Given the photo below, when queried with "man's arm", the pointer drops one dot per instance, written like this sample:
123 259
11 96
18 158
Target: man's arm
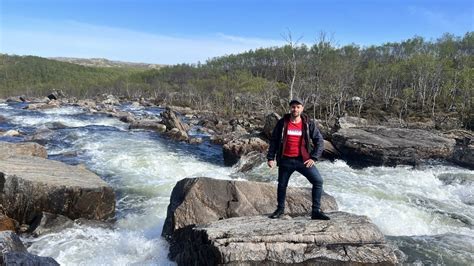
275 140
318 141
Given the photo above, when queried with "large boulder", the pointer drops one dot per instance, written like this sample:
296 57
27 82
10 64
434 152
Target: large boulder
203 200
345 239
25 148
236 148
31 185
390 146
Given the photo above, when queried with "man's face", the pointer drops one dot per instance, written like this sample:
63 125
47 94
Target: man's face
296 109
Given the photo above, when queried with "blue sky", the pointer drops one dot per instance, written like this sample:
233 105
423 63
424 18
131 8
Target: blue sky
170 32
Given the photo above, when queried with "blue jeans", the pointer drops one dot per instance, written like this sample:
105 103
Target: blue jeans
287 166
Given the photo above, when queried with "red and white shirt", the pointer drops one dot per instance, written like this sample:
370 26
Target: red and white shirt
294 134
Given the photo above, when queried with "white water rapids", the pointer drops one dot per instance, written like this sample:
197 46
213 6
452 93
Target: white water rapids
428 211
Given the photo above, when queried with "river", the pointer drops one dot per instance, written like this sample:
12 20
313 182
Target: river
427 211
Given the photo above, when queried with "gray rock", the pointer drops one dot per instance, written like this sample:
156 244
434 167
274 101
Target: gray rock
27 259
24 149
464 153
13 252
13 100
50 223
240 146
195 140
148 124
345 239
110 100
249 162
31 185
40 106
172 121
390 146
178 135
41 136
10 242
350 122
330 152
203 200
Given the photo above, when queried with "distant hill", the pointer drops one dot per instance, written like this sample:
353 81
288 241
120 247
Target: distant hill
36 76
102 62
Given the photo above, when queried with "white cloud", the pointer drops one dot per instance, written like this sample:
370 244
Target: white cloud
75 39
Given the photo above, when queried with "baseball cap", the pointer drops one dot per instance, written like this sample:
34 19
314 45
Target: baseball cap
296 100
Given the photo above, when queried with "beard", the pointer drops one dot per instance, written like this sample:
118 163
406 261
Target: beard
295 113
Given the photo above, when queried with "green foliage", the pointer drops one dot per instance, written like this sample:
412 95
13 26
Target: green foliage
415 76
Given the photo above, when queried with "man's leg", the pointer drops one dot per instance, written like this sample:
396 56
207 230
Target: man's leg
314 177
284 173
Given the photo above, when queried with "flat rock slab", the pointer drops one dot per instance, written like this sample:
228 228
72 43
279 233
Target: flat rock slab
25 148
390 146
346 238
31 185
203 200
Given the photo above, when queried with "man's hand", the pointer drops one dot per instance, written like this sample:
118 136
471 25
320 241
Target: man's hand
309 163
271 163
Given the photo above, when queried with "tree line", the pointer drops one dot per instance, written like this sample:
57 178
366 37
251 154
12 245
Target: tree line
412 79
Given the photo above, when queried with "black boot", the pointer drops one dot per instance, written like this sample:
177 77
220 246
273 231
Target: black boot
277 214
319 216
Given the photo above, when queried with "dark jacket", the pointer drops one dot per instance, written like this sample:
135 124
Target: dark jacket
310 132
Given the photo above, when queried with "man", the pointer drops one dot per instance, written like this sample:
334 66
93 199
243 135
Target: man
290 143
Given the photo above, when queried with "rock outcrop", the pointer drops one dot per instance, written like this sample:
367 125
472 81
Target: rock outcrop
238 147
464 153
270 123
170 120
31 185
345 239
25 149
390 146
176 128
203 200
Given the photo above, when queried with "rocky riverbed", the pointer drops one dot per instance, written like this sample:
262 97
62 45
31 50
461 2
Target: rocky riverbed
94 133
